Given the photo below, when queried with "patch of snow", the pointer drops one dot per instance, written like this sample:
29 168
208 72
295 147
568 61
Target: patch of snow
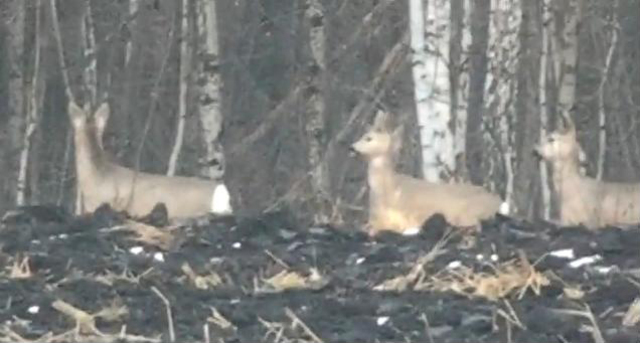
604 270
158 257
454 265
563 253
584 261
136 250
382 320
412 231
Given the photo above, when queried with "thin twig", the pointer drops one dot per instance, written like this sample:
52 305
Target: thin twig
277 259
296 321
167 304
588 314
63 65
427 327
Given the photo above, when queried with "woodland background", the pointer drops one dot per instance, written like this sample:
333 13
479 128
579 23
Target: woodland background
270 93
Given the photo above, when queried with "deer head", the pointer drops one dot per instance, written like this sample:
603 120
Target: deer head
378 141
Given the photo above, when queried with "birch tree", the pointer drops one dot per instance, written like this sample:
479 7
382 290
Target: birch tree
565 51
210 81
604 77
459 84
543 106
316 120
15 23
184 84
431 85
90 73
33 92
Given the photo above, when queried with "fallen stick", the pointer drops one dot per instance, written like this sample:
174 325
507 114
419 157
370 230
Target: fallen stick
296 320
167 304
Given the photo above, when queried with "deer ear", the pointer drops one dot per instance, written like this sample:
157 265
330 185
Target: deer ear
398 133
102 115
381 122
396 139
100 119
77 115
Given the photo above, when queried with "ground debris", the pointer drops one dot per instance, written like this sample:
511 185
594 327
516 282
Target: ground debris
265 279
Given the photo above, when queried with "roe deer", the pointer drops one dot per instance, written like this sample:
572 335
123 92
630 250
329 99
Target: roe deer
402 203
102 180
584 200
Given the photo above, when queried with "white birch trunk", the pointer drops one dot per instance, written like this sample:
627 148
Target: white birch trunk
16 100
501 86
315 123
431 83
31 116
209 100
566 54
602 115
459 113
184 83
544 116
90 74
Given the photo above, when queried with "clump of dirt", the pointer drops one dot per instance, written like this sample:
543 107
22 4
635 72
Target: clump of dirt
106 277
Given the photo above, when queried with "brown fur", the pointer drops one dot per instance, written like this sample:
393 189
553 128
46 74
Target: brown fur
101 180
399 202
584 200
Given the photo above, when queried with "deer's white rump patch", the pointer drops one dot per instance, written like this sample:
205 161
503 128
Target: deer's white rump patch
221 200
504 209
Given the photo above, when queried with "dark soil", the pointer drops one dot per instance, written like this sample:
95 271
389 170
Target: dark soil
74 259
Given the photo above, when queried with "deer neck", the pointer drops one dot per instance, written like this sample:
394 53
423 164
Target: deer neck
89 158
381 175
566 176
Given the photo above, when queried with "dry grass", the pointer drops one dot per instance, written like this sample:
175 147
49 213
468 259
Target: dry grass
515 276
108 277
279 331
417 272
20 268
632 317
149 235
210 281
9 336
85 322
288 280
219 320
85 327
